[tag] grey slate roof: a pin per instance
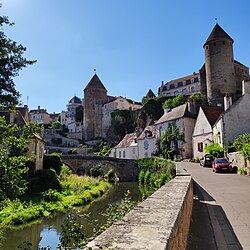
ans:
(218, 33)
(75, 99)
(175, 113)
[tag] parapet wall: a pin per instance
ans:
(160, 222)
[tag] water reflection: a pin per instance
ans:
(47, 232)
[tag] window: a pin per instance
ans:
(120, 154)
(184, 91)
(171, 86)
(196, 79)
(176, 93)
(160, 131)
(179, 84)
(193, 89)
(133, 151)
(146, 155)
(200, 147)
(168, 94)
(124, 154)
(146, 144)
(188, 81)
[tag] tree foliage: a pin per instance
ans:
(241, 140)
(13, 163)
(214, 149)
(11, 62)
(175, 102)
(169, 142)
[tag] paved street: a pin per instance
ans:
(227, 199)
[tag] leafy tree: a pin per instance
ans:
(11, 62)
(170, 137)
(55, 125)
(214, 149)
(79, 114)
(105, 149)
(13, 165)
(198, 97)
(241, 140)
(175, 102)
(246, 151)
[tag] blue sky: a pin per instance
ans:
(133, 44)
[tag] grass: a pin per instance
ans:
(76, 191)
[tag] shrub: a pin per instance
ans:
(48, 180)
(51, 195)
(214, 149)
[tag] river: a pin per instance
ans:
(47, 232)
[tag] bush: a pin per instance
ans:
(51, 196)
(214, 149)
(48, 180)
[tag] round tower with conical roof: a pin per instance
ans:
(219, 65)
(94, 94)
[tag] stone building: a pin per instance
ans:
(39, 116)
(186, 85)
(94, 95)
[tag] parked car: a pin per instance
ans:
(221, 165)
(206, 161)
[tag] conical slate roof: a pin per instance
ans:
(95, 83)
(218, 33)
(150, 94)
(75, 99)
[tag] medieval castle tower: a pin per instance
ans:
(94, 95)
(223, 74)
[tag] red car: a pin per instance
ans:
(221, 165)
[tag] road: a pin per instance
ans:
(227, 200)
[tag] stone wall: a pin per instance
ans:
(160, 222)
(238, 160)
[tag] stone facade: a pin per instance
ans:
(94, 94)
(235, 120)
(203, 132)
(39, 116)
(185, 85)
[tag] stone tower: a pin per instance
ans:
(219, 64)
(94, 95)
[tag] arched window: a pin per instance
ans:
(184, 91)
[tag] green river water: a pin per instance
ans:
(47, 232)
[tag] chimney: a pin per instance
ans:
(227, 101)
(38, 108)
(162, 83)
(191, 106)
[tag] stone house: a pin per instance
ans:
(37, 144)
(39, 116)
(235, 120)
(184, 118)
(203, 131)
(117, 103)
(127, 148)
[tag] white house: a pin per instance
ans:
(184, 119)
(147, 142)
(127, 148)
(235, 120)
(203, 131)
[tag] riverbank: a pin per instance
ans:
(75, 191)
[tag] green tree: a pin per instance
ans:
(241, 140)
(13, 163)
(246, 151)
(170, 137)
(79, 114)
(11, 62)
(175, 102)
(214, 149)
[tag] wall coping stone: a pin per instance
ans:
(156, 223)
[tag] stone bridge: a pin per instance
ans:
(125, 170)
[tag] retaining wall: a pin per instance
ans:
(160, 222)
